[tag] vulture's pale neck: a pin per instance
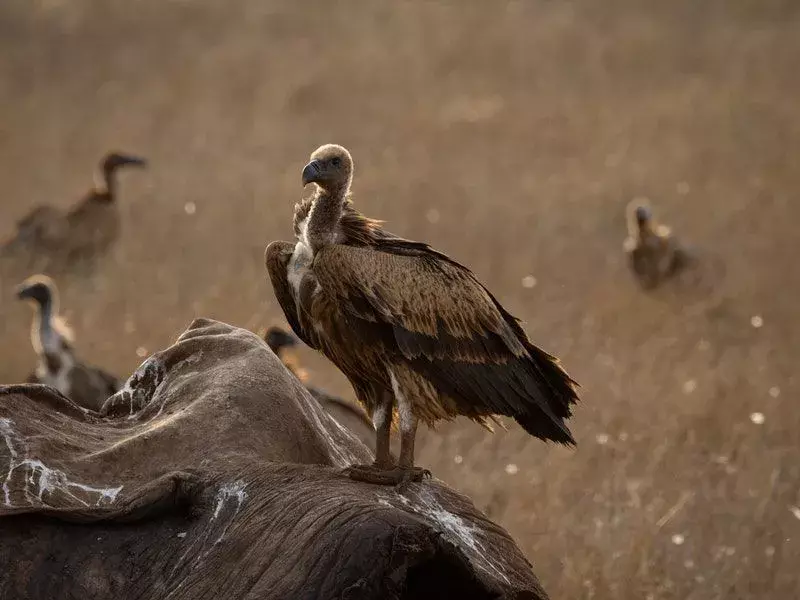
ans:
(647, 230)
(44, 333)
(640, 230)
(323, 219)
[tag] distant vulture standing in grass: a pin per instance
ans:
(413, 330)
(89, 228)
(52, 340)
(654, 254)
(348, 414)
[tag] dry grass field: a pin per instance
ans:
(510, 135)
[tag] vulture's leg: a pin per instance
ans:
(382, 419)
(383, 471)
(380, 471)
(408, 436)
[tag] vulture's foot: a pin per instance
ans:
(397, 476)
(411, 475)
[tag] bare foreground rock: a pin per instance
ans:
(213, 474)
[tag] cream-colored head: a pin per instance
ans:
(330, 167)
(638, 214)
(41, 291)
(642, 224)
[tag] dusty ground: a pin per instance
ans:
(511, 136)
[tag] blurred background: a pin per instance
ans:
(510, 135)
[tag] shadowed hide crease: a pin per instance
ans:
(350, 415)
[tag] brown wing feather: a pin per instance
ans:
(43, 225)
(419, 293)
(655, 258)
(94, 226)
(432, 314)
(276, 258)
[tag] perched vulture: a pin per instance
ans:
(52, 340)
(414, 331)
(654, 254)
(88, 228)
(348, 414)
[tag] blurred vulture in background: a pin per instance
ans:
(52, 340)
(654, 255)
(86, 230)
(414, 331)
(284, 345)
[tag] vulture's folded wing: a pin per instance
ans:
(276, 259)
(433, 315)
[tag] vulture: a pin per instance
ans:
(283, 344)
(415, 332)
(654, 255)
(352, 416)
(88, 228)
(52, 340)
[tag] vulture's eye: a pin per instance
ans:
(336, 162)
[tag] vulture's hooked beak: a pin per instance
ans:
(311, 172)
(22, 291)
(134, 161)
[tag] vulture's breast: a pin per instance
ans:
(56, 370)
(300, 262)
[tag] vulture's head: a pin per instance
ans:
(278, 339)
(643, 215)
(39, 289)
(284, 345)
(114, 160)
(330, 167)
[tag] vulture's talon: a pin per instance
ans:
(395, 476)
(412, 475)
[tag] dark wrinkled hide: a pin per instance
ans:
(91, 386)
(346, 413)
(213, 474)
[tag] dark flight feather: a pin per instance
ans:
(443, 324)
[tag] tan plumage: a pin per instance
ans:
(52, 341)
(412, 329)
(89, 228)
(654, 254)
